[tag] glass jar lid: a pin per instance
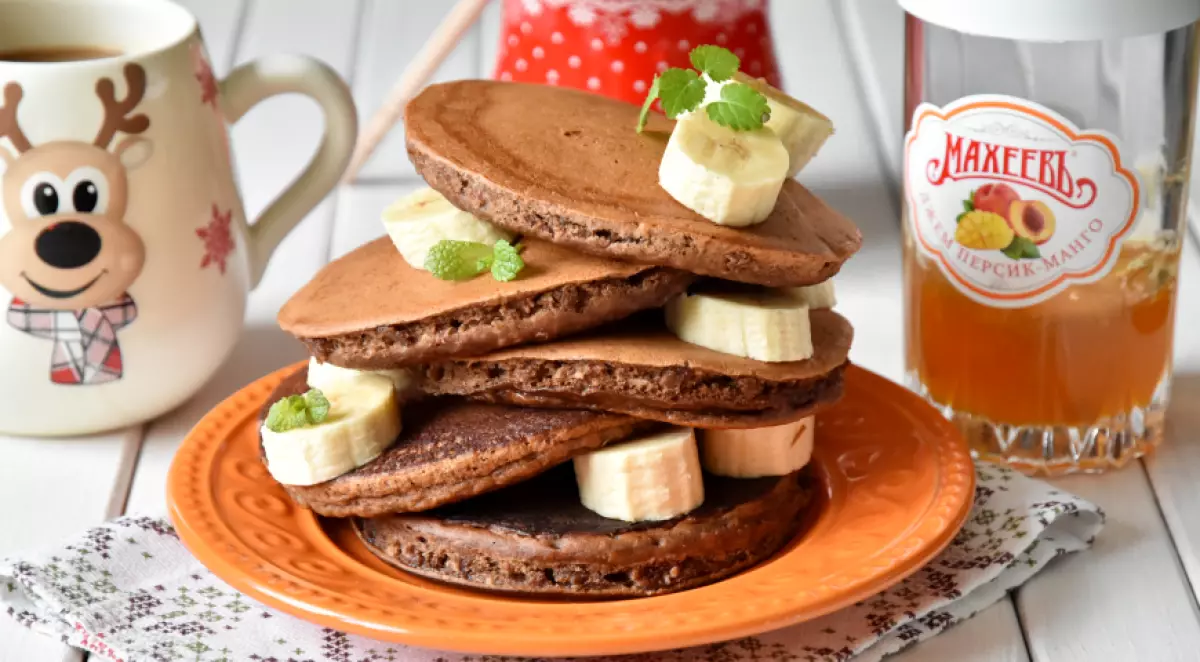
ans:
(1056, 20)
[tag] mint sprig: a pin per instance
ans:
(718, 63)
(682, 90)
(651, 96)
(317, 405)
(741, 108)
(451, 259)
(298, 411)
(458, 260)
(506, 261)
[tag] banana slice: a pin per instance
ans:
(331, 378)
(774, 451)
(363, 421)
(765, 325)
(417, 222)
(651, 479)
(802, 129)
(729, 177)
(816, 296)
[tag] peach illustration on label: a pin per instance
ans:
(1032, 219)
(994, 217)
(996, 198)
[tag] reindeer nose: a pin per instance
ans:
(67, 245)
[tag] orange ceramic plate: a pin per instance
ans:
(897, 485)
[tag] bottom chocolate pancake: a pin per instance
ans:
(536, 537)
(450, 449)
(641, 369)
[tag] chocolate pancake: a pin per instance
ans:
(537, 538)
(451, 450)
(370, 309)
(567, 166)
(641, 369)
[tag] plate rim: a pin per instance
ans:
(249, 577)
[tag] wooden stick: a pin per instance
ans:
(444, 39)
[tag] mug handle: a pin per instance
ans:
(266, 77)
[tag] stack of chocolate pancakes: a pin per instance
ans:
(502, 384)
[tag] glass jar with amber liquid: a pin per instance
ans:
(1046, 161)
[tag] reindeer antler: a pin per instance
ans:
(116, 113)
(8, 118)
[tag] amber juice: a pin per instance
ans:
(1075, 383)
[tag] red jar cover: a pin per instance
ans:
(615, 47)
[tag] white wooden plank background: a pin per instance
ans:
(1125, 599)
(1175, 474)
(1128, 599)
(392, 35)
(273, 140)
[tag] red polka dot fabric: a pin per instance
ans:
(615, 47)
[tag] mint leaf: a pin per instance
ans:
(506, 261)
(317, 405)
(287, 414)
(741, 108)
(681, 90)
(458, 260)
(1019, 248)
(968, 205)
(650, 97)
(462, 260)
(484, 262)
(298, 411)
(717, 62)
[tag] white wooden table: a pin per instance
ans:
(1131, 597)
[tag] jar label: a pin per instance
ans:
(1012, 200)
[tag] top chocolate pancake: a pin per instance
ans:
(450, 450)
(639, 368)
(371, 310)
(567, 166)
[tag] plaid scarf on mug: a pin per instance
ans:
(85, 340)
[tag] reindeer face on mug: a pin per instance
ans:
(69, 247)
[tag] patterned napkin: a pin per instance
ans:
(129, 591)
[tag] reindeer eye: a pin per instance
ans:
(45, 199)
(89, 190)
(86, 196)
(40, 195)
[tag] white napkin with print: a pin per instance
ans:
(129, 590)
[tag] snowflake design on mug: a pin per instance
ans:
(218, 239)
(209, 88)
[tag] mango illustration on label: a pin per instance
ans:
(1012, 200)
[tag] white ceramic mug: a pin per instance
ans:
(125, 254)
